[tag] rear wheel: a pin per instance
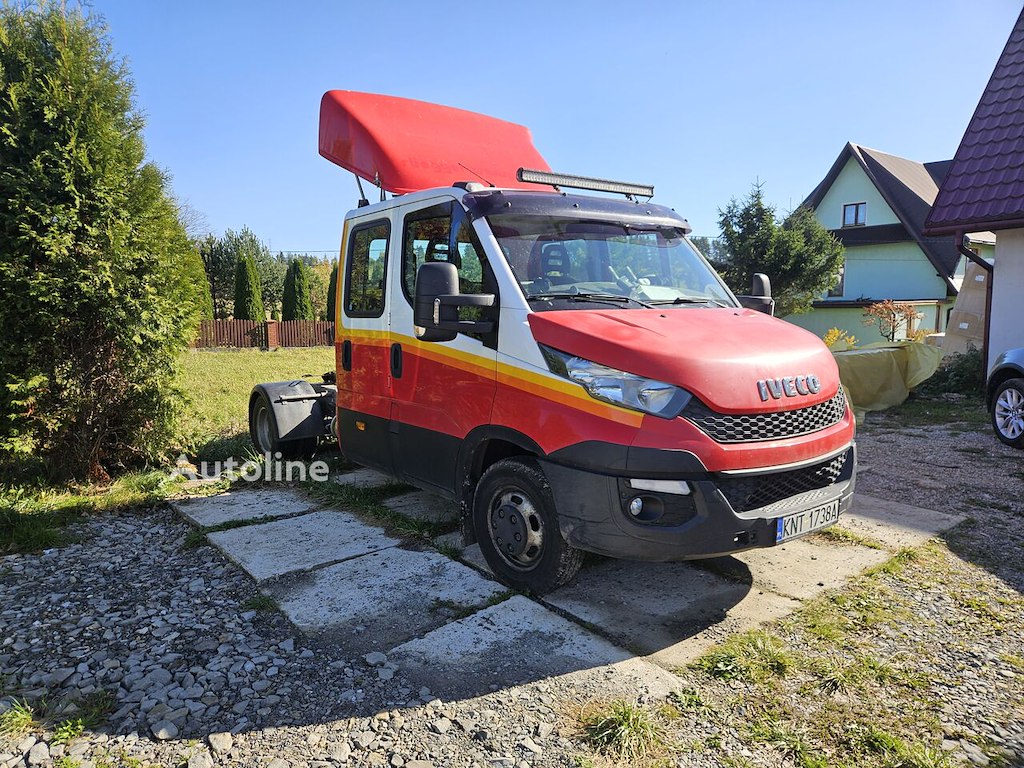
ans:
(1008, 412)
(517, 528)
(264, 434)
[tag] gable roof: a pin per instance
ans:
(985, 186)
(909, 188)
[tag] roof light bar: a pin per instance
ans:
(585, 182)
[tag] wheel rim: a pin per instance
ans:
(263, 433)
(516, 529)
(1009, 413)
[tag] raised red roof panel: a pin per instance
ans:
(984, 188)
(406, 145)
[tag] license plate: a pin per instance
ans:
(793, 526)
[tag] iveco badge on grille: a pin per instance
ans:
(790, 386)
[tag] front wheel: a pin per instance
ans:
(517, 528)
(1008, 412)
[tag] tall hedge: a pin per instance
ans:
(195, 266)
(98, 286)
(297, 303)
(248, 301)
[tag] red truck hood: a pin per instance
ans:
(717, 354)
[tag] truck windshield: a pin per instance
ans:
(564, 263)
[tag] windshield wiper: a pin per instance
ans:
(688, 300)
(587, 296)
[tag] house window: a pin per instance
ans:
(854, 214)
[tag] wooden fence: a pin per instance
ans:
(251, 333)
(304, 333)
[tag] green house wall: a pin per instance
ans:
(890, 271)
(899, 271)
(821, 321)
(853, 186)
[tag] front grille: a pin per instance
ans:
(748, 492)
(757, 427)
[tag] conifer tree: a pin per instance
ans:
(248, 301)
(296, 303)
(100, 293)
(800, 256)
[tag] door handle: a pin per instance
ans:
(396, 361)
(346, 355)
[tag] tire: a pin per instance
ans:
(264, 435)
(1008, 412)
(517, 528)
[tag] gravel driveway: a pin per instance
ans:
(178, 630)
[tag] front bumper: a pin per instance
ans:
(724, 513)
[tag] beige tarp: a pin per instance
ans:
(879, 376)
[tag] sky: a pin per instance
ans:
(700, 98)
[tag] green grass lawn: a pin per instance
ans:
(217, 384)
(213, 426)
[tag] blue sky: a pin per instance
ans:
(699, 98)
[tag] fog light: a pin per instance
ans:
(636, 507)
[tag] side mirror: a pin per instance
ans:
(760, 297)
(761, 286)
(436, 307)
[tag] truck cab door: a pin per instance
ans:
(440, 390)
(361, 344)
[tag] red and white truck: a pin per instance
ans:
(568, 367)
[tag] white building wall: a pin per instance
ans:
(1007, 328)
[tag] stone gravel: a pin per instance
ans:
(193, 675)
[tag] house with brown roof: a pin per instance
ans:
(876, 204)
(984, 188)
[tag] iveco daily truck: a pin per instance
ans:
(568, 367)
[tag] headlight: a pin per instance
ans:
(613, 386)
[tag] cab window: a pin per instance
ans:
(435, 234)
(427, 238)
(367, 266)
(445, 233)
(470, 263)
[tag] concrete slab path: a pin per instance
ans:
(617, 628)
(519, 641)
(303, 543)
(420, 505)
(896, 525)
(801, 568)
(382, 598)
(671, 611)
(234, 506)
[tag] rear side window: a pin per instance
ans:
(427, 238)
(367, 267)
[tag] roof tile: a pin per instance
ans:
(985, 183)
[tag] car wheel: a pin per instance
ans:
(517, 528)
(264, 434)
(1008, 412)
